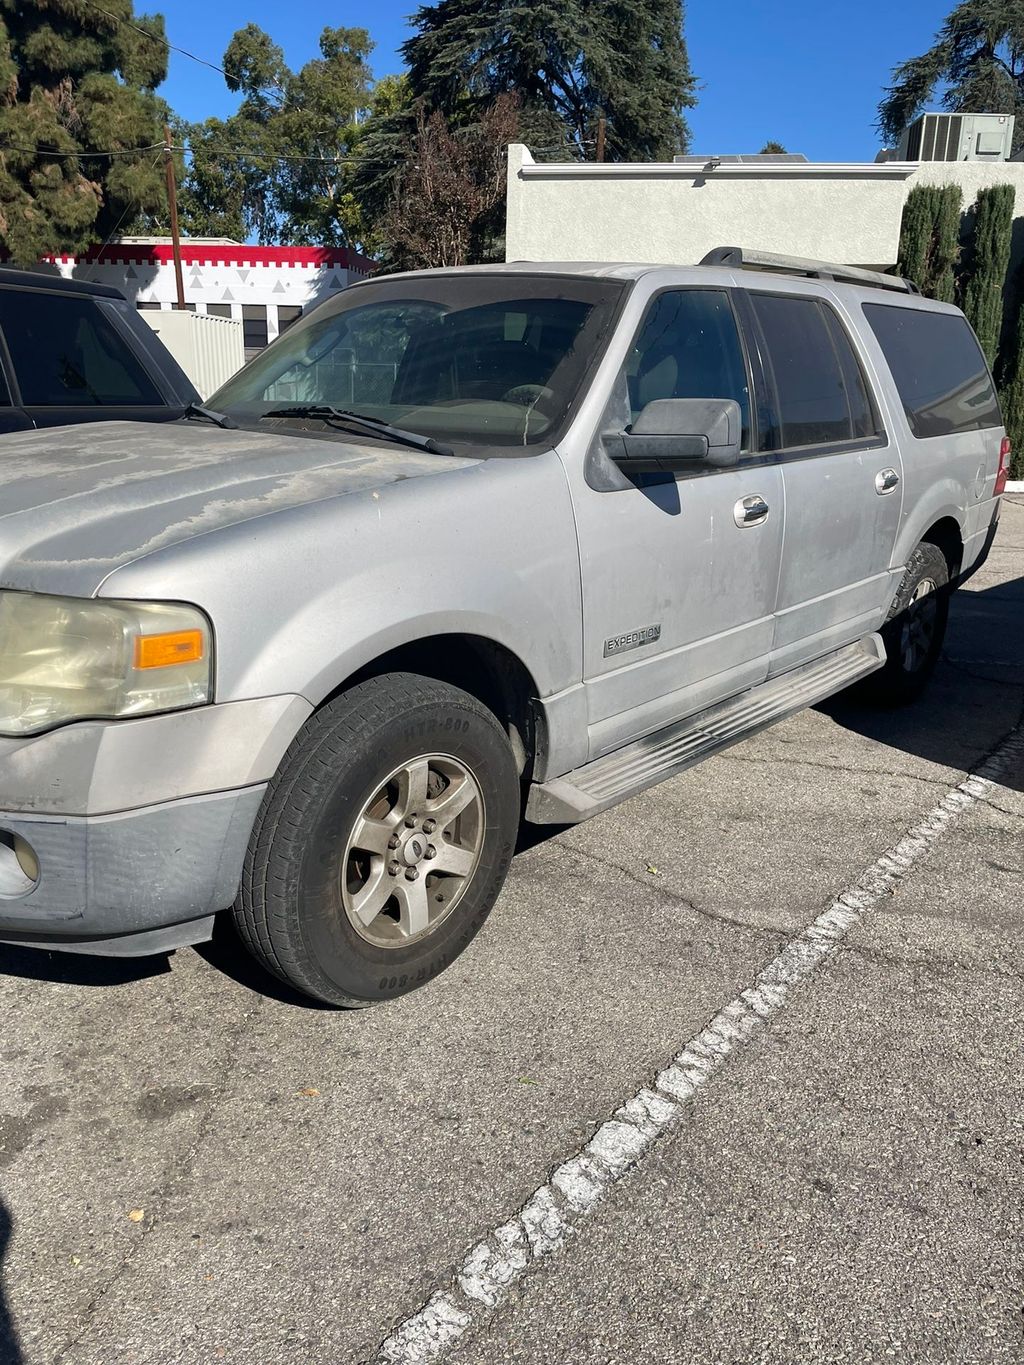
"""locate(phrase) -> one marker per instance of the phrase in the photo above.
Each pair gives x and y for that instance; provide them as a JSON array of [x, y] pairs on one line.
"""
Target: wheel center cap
[[414, 848]]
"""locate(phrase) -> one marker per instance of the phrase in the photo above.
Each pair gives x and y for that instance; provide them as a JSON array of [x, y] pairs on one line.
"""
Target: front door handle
[[885, 481], [752, 511]]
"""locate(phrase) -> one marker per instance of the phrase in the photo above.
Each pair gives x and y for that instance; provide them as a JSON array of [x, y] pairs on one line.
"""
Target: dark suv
[[74, 352]]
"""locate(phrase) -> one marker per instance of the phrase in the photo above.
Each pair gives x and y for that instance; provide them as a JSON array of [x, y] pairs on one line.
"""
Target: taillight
[[1004, 466]]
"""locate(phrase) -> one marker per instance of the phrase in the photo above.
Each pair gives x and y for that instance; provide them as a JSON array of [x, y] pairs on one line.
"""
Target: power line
[[214, 155], [85, 156], [156, 38]]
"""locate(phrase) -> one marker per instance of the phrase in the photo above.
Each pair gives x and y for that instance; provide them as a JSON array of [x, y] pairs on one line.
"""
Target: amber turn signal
[[172, 647]]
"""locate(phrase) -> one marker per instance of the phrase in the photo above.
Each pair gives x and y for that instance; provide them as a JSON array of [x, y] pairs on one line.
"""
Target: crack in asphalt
[[177, 1172], [675, 897], [1004, 810], [984, 677], [942, 969], [843, 768]]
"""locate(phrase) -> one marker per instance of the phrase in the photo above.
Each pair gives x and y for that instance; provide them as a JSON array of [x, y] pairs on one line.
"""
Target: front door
[[680, 571]]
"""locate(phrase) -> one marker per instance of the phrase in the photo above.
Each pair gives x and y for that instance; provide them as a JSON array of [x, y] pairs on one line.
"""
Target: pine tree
[[573, 60], [930, 239], [977, 60], [76, 103], [990, 260], [567, 63]]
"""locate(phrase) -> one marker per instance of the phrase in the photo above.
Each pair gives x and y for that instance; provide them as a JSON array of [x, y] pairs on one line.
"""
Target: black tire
[[913, 634], [291, 911]]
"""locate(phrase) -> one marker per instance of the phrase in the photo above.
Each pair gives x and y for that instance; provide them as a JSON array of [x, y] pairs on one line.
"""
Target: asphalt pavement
[[197, 1166]]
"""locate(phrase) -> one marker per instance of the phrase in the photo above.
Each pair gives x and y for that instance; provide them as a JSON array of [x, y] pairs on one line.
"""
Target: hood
[[78, 502]]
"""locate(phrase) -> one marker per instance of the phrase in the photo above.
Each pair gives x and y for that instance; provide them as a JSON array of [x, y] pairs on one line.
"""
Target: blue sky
[[806, 74]]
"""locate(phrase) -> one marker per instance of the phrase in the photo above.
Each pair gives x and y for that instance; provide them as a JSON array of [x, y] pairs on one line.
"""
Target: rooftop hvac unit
[[958, 137]]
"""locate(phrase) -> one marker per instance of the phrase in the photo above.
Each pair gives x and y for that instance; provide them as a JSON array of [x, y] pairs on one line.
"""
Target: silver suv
[[462, 546]]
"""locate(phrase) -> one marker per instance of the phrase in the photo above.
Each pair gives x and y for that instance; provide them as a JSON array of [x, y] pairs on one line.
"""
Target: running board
[[611, 779]]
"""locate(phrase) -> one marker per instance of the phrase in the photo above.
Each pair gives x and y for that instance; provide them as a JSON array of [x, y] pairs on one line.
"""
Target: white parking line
[[541, 1225]]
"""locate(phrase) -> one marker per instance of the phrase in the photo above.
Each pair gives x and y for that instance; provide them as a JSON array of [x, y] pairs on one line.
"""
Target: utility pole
[[172, 199], [599, 155]]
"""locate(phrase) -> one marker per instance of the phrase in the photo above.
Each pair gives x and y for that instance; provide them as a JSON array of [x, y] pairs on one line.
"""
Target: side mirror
[[677, 433]]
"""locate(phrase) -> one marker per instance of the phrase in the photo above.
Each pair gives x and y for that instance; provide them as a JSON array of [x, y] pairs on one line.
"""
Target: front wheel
[[382, 842], [914, 630]]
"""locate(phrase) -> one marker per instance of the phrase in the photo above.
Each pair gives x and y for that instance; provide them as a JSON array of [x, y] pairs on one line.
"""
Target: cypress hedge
[[990, 260], [1011, 389], [930, 239]]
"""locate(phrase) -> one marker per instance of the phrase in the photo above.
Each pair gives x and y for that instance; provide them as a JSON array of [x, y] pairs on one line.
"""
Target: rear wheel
[[914, 631], [382, 842]]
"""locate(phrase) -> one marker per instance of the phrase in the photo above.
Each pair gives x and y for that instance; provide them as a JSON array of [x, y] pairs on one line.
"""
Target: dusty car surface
[[463, 546]]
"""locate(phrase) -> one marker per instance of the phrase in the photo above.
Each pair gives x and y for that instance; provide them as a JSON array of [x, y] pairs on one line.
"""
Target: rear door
[[71, 363], [841, 476]]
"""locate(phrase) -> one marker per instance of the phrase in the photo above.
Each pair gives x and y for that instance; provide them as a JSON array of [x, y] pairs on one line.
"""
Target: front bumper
[[137, 829], [108, 883]]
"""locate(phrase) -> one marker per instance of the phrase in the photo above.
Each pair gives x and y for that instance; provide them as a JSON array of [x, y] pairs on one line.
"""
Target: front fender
[[303, 598]]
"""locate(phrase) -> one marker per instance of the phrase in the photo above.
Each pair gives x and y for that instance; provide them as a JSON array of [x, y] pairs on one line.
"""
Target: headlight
[[68, 658]]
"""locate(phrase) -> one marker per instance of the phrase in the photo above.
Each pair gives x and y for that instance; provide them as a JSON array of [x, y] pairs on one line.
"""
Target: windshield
[[494, 360]]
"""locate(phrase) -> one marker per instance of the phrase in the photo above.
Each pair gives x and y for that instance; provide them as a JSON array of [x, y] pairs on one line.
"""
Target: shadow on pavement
[[228, 954], [10, 1351], [77, 969], [975, 697]]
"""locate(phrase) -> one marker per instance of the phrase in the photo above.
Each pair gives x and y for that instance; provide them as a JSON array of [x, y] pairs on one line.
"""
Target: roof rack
[[744, 259]]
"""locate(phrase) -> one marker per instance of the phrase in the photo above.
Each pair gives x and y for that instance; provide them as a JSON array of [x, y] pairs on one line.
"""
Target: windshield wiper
[[219, 419], [358, 419]]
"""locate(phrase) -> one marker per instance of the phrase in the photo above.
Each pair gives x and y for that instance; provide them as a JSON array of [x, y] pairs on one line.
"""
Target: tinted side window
[[818, 382], [940, 372], [689, 347], [863, 422], [67, 354]]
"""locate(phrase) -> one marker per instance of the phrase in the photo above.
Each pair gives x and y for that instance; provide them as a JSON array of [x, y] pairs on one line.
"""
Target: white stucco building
[[675, 212], [265, 287]]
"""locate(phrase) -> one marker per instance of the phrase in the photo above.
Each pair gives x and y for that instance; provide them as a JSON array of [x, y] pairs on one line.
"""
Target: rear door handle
[[750, 511], [885, 481]]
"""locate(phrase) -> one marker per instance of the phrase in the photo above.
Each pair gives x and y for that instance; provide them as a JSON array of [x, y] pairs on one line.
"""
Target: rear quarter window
[[938, 367]]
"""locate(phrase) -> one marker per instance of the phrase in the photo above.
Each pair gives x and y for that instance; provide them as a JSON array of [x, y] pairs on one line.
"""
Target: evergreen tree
[[990, 259], [76, 102], [381, 151], [772, 148], [946, 255], [574, 60], [1011, 396], [566, 64], [930, 239], [280, 168], [977, 60]]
